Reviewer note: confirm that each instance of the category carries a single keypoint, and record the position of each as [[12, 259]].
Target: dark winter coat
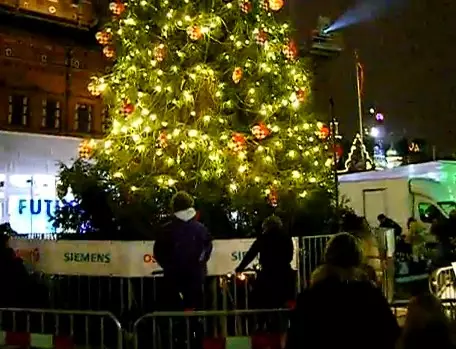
[[183, 248], [341, 310], [275, 283], [15, 280], [275, 250]]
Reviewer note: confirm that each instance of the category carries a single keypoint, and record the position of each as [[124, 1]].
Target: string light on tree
[[211, 98]]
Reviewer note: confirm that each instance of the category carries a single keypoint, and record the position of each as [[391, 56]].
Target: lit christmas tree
[[206, 97]]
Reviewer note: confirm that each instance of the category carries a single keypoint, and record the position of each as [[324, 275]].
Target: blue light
[[364, 11]]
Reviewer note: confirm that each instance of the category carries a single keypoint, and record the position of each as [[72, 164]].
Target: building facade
[[48, 53]]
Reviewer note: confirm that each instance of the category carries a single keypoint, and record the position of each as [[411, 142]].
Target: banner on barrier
[[119, 258]]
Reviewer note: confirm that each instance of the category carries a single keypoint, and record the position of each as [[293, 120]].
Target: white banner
[[120, 258]]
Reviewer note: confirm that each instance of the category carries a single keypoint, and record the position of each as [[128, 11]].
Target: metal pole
[[360, 103], [334, 143]]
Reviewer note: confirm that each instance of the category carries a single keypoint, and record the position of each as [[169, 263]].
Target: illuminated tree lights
[[208, 100]]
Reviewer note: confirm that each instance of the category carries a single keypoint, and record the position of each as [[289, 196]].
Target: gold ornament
[[85, 149], [237, 75], [160, 52], [276, 5], [109, 52], [194, 32]]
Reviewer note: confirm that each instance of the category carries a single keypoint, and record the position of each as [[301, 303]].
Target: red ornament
[[301, 94], [324, 132], [162, 140], [160, 52], [194, 32], [128, 108], [238, 142], [260, 131], [246, 6], [117, 8], [290, 50], [273, 198], [109, 52], [103, 37], [339, 151], [237, 75], [261, 37]]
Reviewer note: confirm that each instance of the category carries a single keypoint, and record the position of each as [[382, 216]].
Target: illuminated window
[[18, 111], [83, 118], [51, 114]]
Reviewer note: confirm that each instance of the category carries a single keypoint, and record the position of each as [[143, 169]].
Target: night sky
[[409, 57]]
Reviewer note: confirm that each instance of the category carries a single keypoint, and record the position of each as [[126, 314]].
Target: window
[[428, 212], [18, 112], [83, 118], [51, 114], [447, 206]]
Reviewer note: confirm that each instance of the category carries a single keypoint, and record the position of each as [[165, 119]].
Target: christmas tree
[[208, 97]]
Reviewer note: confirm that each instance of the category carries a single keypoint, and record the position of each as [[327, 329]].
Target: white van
[[424, 191]]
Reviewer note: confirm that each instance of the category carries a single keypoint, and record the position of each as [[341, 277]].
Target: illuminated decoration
[[276, 5], [86, 148], [301, 95], [160, 52], [237, 75], [260, 131], [379, 157], [358, 158], [261, 37], [109, 52], [414, 147], [96, 86], [194, 32], [324, 132], [246, 6], [212, 101], [104, 37], [379, 117], [117, 8], [393, 159], [290, 50]]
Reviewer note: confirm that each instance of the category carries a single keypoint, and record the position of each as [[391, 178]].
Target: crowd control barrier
[[312, 250], [211, 329], [442, 283], [59, 329]]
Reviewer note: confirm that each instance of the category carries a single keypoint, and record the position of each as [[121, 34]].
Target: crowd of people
[[344, 305]]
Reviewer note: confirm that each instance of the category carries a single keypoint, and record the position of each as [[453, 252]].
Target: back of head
[[4, 241], [181, 201], [355, 225], [426, 324], [343, 251], [272, 224]]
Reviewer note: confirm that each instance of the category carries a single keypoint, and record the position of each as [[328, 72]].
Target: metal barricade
[[188, 330], [73, 328], [132, 295], [312, 250], [442, 283]]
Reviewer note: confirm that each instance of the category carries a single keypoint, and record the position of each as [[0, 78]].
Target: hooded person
[[183, 249], [342, 308]]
